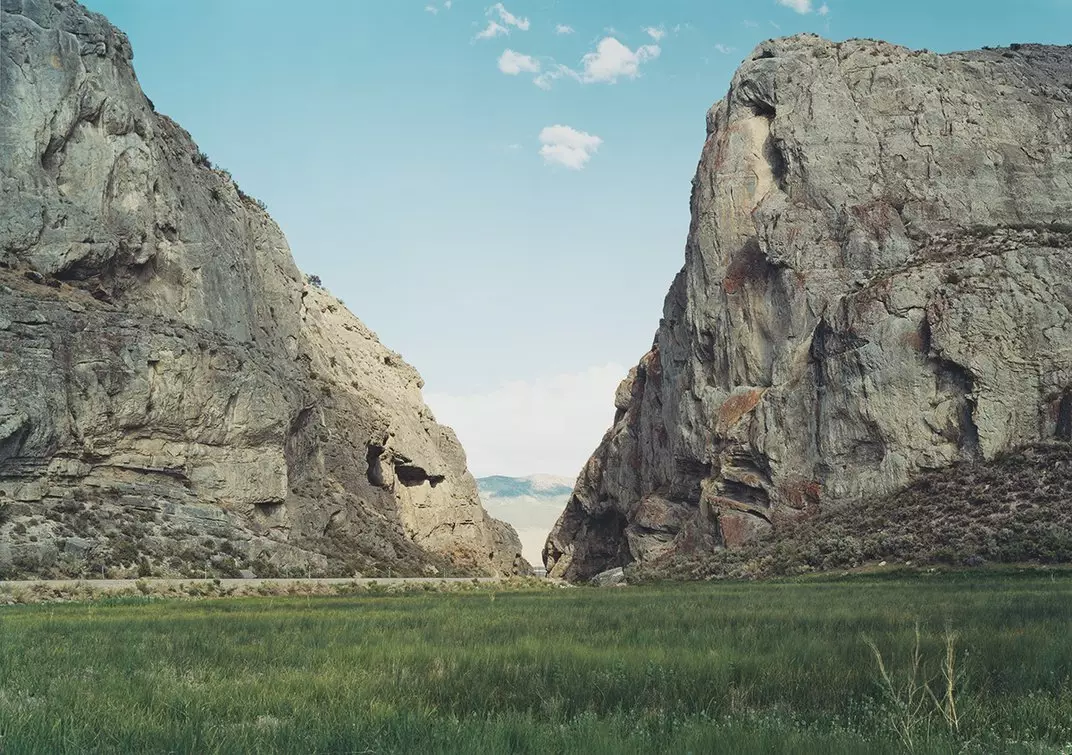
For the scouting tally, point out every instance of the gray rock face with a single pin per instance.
(610, 578)
(877, 282)
(173, 392)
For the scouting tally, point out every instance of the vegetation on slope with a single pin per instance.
(1016, 508)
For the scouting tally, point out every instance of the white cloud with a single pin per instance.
(610, 61)
(563, 29)
(493, 30)
(550, 425)
(613, 59)
(431, 9)
(512, 63)
(724, 49)
(509, 18)
(448, 4)
(804, 6)
(567, 146)
(557, 71)
(655, 33)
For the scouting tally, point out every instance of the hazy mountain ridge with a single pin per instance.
(533, 485)
(530, 504)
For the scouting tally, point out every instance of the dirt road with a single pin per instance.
(102, 585)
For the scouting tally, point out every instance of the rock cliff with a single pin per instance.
(175, 396)
(877, 284)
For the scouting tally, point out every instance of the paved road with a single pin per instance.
(118, 584)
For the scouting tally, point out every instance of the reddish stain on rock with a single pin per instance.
(739, 528)
(913, 340)
(736, 406)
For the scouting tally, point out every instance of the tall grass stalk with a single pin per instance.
(909, 694)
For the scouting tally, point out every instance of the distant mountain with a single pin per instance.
(539, 485)
(531, 504)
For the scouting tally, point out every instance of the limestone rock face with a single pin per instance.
(174, 393)
(877, 283)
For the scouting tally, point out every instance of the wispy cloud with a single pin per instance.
(512, 63)
(553, 73)
(563, 145)
(724, 49)
(501, 27)
(508, 18)
(750, 24)
(563, 29)
(431, 9)
(613, 60)
(804, 6)
(655, 33)
(492, 30)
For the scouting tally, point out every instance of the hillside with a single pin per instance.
(1016, 508)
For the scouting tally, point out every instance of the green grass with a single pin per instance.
(715, 667)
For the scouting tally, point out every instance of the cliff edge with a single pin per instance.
(176, 396)
(877, 285)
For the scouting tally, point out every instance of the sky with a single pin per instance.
(499, 190)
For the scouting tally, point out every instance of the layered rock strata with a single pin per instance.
(174, 394)
(877, 283)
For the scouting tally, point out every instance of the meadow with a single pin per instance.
(688, 668)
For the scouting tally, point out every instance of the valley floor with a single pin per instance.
(713, 667)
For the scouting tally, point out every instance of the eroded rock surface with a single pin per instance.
(174, 394)
(877, 283)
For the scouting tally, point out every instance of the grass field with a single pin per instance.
(715, 667)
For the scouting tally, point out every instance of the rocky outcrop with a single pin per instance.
(877, 283)
(175, 395)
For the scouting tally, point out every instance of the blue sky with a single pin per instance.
(398, 144)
